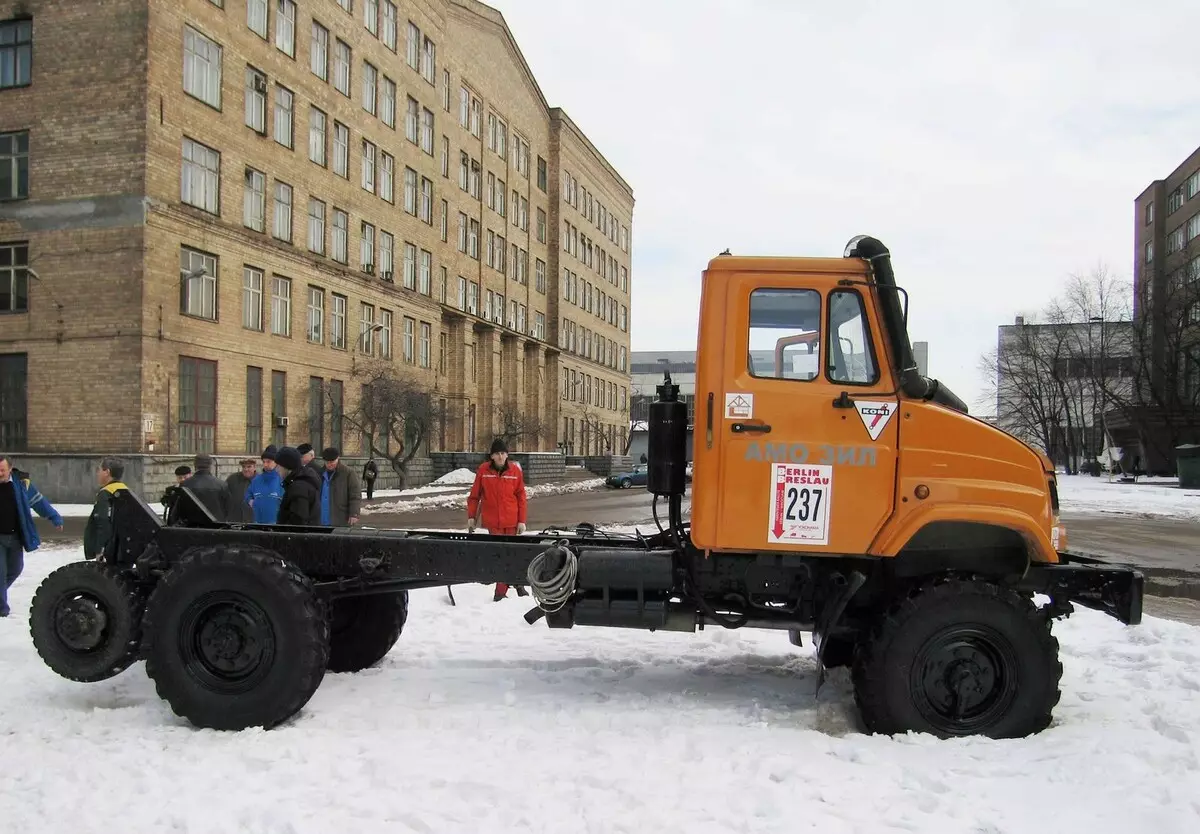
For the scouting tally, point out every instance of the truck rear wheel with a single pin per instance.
(959, 657)
(362, 630)
(235, 638)
(85, 621)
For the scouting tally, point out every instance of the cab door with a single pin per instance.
(807, 427)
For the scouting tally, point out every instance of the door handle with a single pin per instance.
(739, 428)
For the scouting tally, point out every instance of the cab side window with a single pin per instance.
(785, 334)
(851, 352)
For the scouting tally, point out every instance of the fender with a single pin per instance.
(897, 533)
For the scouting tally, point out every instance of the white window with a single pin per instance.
(316, 135)
(410, 266)
(446, 90)
(252, 299)
(316, 314)
(256, 17)
(539, 274)
(283, 211)
(366, 328)
(283, 116)
(201, 67)
(426, 212)
(341, 150)
(476, 117)
(1193, 185)
(338, 322)
(199, 288)
(426, 273)
(387, 176)
(256, 100)
(412, 120)
(427, 130)
(410, 191)
(539, 326)
(254, 205)
(462, 232)
(341, 231)
(389, 24)
(285, 27)
(316, 226)
(370, 82)
(368, 166)
(473, 239)
(1175, 240)
(424, 354)
(318, 51)
(371, 16)
(201, 181)
(387, 255)
(464, 107)
(366, 252)
(429, 61)
(385, 334)
(341, 67)
(387, 106)
(414, 46)
(281, 305)
(445, 222)
(1193, 227)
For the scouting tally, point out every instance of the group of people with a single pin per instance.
(292, 488)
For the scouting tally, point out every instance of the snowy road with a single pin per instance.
(477, 722)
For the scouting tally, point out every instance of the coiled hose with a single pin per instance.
(555, 590)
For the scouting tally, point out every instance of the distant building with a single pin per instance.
(921, 354)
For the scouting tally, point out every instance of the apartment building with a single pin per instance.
(214, 214)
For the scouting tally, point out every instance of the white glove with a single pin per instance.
(470, 525)
(521, 528)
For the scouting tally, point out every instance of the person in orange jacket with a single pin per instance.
(498, 496)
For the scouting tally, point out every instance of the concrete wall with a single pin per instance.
(539, 467)
(605, 465)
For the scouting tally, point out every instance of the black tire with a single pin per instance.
(959, 646)
(235, 638)
(626, 483)
(86, 621)
(362, 630)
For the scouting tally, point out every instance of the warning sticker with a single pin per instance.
(739, 406)
(875, 415)
(800, 504)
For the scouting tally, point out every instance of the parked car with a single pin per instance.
(687, 472)
(625, 480)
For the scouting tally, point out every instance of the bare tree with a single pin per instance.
(593, 426)
(394, 413)
(518, 426)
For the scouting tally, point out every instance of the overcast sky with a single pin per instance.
(993, 152)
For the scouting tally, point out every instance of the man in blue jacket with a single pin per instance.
(265, 492)
(18, 534)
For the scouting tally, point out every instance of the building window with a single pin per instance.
(1175, 240)
(316, 226)
(318, 51)
(256, 17)
(389, 24)
(283, 211)
(254, 438)
(370, 84)
(387, 108)
(413, 54)
(14, 278)
(412, 120)
(14, 166)
(424, 345)
(387, 177)
(284, 122)
(366, 329)
(387, 255)
(539, 326)
(316, 315)
(443, 353)
(541, 225)
(316, 135)
(281, 306)
(341, 232)
(368, 166)
(539, 274)
(1192, 186)
(341, 150)
(445, 222)
(197, 405)
(16, 53)
(201, 182)
(198, 276)
(385, 334)
(1193, 227)
(337, 336)
(252, 298)
(426, 273)
(1174, 203)
(409, 339)
(371, 16)
(426, 210)
(427, 130)
(256, 101)
(446, 157)
(410, 191)
(201, 67)
(410, 266)
(542, 176)
(316, 411)
(429, 60)
(446, 90)
(285, 27)
(278, 406)
(341, 67)
(366, 252)
(254, 204)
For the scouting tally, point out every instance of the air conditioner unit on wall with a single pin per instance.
(281, 422)
(387, 276)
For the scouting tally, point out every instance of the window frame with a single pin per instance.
(868, 334)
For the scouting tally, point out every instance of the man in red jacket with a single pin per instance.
(498, 495)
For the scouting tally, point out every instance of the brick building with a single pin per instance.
(212, 213)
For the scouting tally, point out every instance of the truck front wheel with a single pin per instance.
(363, 629)
(959, 657)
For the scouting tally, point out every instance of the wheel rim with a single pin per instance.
(227, 642)
(964, 679)
(80, 619)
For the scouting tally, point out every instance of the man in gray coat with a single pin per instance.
(340, 491)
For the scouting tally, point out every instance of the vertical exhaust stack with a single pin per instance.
(667, 452)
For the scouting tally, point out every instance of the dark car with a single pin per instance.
(625, 480)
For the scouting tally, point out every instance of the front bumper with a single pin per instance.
(1116, 590)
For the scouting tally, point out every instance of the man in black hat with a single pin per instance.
(340, 491)
(308, 457)
(211, 491)
(301, 490)
(237, 484)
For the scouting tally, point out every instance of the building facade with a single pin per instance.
(215, 215)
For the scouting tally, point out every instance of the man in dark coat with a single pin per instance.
(370, 473)
(98, 540)
(209, 489)
(237, 484)
(301, 490)
(308, 457)
(340, 491)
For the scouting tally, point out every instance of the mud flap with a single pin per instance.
(828, 618)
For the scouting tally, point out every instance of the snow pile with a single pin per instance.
(459, 498)
(458, 476)
(477, 722)
(1157, 499)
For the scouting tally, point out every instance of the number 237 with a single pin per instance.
(809, 501)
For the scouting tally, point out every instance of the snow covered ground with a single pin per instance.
(1156, 498)
(458, 497)
(477, 722)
